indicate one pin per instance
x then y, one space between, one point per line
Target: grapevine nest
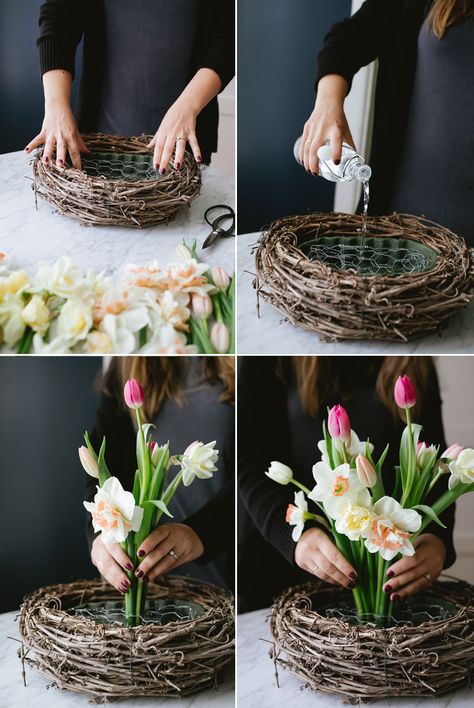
118 185
106 661
404 279
364 662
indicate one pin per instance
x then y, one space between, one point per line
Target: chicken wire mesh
157 612
127 167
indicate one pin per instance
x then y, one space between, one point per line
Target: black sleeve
61 24
433 433
214 523
263 436
357 40
220 54
115 423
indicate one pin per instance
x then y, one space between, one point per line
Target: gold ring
180 137
173 554
428 577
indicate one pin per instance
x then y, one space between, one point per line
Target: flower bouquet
182 308
129 517
369 527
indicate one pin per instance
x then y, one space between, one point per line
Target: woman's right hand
327 122
59 131
318 555
111 561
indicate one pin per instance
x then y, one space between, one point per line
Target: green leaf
404 446
160 505
89 446
136 487
382 460
328 441
428 511
104 473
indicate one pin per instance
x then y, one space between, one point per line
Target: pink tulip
453 451
202 305
220 337
405 394
339 425
133 394
365 471
88 462
220 277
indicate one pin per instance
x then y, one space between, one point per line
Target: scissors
217 230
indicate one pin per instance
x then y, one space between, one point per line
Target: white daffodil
353 448
187 277
171 310
355 521
279 472
199 460
98 343
114 512
462 468
36 314
296 515
11 321
55 345
122 328
62 278
337 488
165 340
391 528
75 321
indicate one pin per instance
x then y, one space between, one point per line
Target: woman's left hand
411 574
166 548
177 128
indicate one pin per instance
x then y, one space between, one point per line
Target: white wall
456 375
224 159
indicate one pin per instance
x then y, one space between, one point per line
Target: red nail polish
129 566
337 162
141 553
139 573
390 573
353 575
388 588
163 171
178 165
199 158
46 159
395 598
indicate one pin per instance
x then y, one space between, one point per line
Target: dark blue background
21 91
46 404
278 42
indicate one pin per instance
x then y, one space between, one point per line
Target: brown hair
319 380
445 13
161 377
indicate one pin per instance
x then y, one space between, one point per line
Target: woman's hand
317 554
327 122
59 131
111 560
165 549
411 574
177 128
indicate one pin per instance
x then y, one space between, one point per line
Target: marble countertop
272 334
28 235
256 684
36 694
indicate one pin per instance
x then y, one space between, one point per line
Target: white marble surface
272 334
256 684
39 693
28 235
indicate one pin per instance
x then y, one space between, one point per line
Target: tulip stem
300 486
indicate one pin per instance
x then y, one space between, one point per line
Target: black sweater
386 30
207 506
272 425
138 58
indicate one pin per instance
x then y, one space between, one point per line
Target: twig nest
118 185
364 662
113 661
403 279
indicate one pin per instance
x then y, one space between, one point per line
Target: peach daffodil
296 515
391 528
114 512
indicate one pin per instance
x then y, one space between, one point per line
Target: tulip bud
453 451
366 471
279 472
133 394
154 450
183 252
339 425
220 337
405 394
202 305
220 277
88 462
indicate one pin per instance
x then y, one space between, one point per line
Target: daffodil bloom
199 460
336 488
355 521
296 515
391 528
462 469
114 512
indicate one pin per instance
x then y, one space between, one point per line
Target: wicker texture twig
108 661
343 304
366 662
97 200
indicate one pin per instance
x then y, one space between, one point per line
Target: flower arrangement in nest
370 528
128 518
118 185
401 278
185 307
